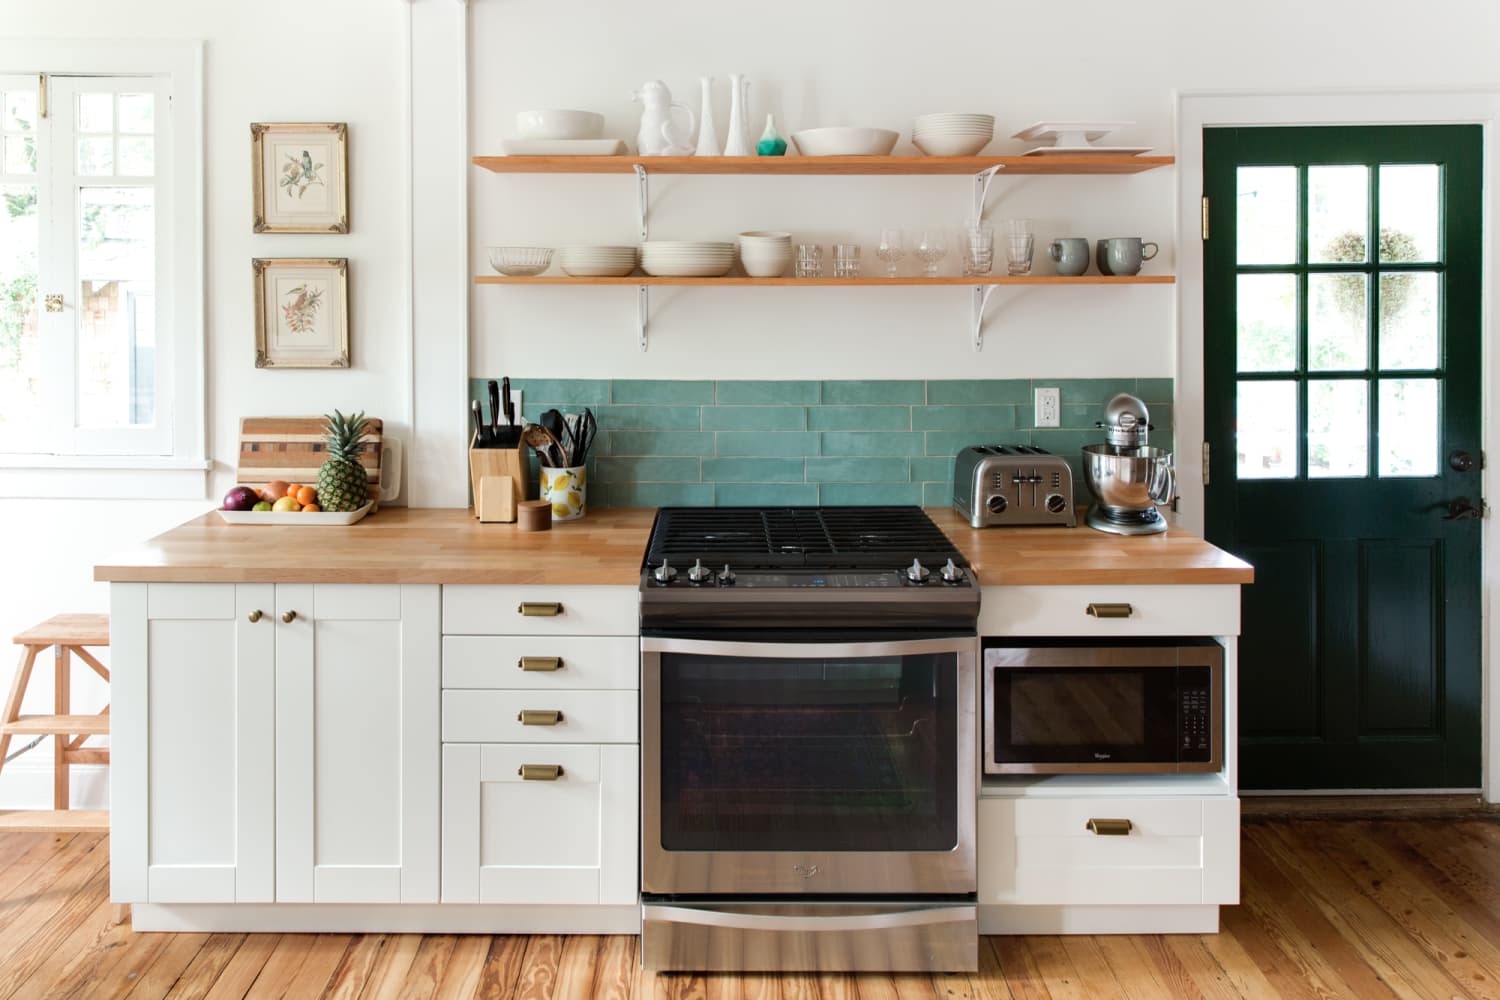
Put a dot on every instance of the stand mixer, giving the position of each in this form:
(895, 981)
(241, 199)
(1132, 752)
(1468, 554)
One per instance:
(1127, 477)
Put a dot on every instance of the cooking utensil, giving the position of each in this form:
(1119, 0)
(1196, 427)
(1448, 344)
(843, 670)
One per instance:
(507, 402)
(494, 388)
(482, 432)
(546, 445)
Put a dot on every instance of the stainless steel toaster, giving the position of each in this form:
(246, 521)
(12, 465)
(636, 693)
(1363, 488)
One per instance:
(1003, 484)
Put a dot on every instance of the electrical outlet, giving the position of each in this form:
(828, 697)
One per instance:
(1048, 407)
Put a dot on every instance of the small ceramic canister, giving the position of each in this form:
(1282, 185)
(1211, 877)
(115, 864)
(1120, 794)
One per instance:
(566, 489)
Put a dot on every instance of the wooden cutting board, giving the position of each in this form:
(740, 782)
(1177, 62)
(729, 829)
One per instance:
(292, 449)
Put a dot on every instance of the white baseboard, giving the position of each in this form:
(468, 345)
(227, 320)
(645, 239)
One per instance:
(437, 918)
(26, 782)
(1098, 920)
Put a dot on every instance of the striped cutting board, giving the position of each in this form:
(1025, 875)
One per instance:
(292, 449)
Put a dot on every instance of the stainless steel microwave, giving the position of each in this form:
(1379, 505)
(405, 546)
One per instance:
(1132, 706)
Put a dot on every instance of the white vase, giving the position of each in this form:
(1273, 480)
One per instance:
(708, 134)
(739, 97)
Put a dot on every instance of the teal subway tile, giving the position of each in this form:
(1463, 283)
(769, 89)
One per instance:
(753, 470)
(958, 418)
(1161, 417)
(765, 393)
(1081, 415)
(870, 494)
(865, 393)
(872, 443)
(937, 469)
(754, 418)
(649, 470)
(859, 418)
(731, 443)
(660, 443)
(1154, 390)
(858, 470)
(950, 443)
(660, 494)
(578, 391)
(648, 418)
(937, 494)
(1067, 443)
(766, 494)
(1085, 390)
(661, 392)
(1010, 390)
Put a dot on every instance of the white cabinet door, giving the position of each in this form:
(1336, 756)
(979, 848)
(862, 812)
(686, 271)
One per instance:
(191, 780)
(570, 840)
(357, 744)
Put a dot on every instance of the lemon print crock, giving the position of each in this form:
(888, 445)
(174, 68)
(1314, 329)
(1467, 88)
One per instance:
(565, 490)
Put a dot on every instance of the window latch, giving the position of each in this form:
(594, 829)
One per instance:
(41, 95)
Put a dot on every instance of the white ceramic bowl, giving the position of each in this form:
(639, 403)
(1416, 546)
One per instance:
(597, 261)
(846, 141)
(951, 145)
(766, 265)
(559, 123)
(520, 262)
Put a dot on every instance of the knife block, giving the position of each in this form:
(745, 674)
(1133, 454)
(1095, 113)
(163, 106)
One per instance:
(510, 462)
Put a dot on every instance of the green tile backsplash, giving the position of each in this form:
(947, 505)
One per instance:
(700, 442)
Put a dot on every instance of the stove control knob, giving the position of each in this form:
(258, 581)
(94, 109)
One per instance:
(726, 576)
(951, 573)
(916, 572)
(664, 573)
(699, 573)
(998, 503)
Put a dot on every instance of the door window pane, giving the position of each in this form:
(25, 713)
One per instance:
(138, 113)
(116, 316)
(20, 154)
(1338, 205)
(96, 112)
(1266, 215)
(1338, 428)
(19, 111)
(96, 157)
(1337, 333)
(1409, 212)
(20, 342)
(1266, 322)
(1408, 427)
(1408, 320)
(137, 156)
(1266, 430)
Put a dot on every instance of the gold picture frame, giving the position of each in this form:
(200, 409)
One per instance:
(300, 177)
(301, 312)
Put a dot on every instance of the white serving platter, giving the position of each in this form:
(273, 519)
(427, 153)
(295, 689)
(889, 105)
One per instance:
(1087, 151)
(291, 519)
(1089, 131)
(562, 147)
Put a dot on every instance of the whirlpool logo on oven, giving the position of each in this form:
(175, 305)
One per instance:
(806, 871)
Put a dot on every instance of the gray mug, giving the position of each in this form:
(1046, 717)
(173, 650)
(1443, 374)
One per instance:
(1071, 255)
(1123, 255)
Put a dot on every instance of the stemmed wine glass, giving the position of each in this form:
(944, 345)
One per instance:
(930, 249)
(890, 250)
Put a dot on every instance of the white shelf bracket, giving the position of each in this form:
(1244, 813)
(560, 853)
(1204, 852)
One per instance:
(982, 188)
(643, 200)
(644, 315)
(982, 295)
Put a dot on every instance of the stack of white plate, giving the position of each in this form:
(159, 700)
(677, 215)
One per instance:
(952, 135)
(686, 259)
(765, 254)
(597, 261)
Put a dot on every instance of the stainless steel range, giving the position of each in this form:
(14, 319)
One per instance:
(807, 739)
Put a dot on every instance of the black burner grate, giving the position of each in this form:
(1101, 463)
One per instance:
(814, 537)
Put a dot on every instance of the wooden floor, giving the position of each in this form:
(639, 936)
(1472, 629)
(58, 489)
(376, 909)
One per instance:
(1331, 908)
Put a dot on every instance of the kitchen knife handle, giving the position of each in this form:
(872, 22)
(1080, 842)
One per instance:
(1109, 827)
(540, 663)
(540, 609)
(540, 772)
(1098, 610)
(539, 717)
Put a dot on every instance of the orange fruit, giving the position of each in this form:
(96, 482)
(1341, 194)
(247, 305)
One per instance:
(310, 508)
(275, 490)
(307, 495)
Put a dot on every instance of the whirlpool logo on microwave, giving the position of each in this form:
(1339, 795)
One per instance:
(806, 871)
(1102, 756)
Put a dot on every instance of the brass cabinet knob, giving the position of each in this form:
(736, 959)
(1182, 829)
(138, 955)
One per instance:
(289, 617)
(532, 664)
(539, 717)
(540, 609)
(255, 616)
(540, 772)
(1108, 827)
(1098, 610)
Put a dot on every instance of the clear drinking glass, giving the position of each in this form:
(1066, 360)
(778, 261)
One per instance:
(890, 250)
(809, 260)
(846, 260)
(1018, 254)
(930, 248)
(978, 248)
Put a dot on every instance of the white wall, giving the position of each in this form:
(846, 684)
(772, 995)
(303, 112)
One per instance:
(329, 60)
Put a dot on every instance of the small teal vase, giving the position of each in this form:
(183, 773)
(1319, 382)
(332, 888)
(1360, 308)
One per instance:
(771, 143)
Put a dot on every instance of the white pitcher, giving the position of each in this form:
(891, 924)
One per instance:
(659, 135)
(708, 134)
(739, 98)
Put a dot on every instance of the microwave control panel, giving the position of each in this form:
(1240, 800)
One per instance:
(1194, 718)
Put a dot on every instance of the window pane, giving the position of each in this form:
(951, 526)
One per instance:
(1408, 427)
(1266, 434)
(20, 154)
(138, 113)
(20, 347)
(19, 111)
(1409, 212)
(1266, 217)
(1338, 428)
(116, 315)
(1338, 205)
(137, 156)
(96, 112)
(1266, 322)
(1408, 320)
(96, 157)
(1337, 334)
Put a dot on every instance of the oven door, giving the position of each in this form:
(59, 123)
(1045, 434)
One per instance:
(809, 767)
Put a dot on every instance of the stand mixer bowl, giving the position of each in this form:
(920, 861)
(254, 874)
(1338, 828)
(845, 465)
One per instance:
(1128, 478)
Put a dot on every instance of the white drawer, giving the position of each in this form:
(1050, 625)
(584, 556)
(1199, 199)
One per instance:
(497, 610)
(1040, 851)
(582, 662)
(471, 716)
(1181, 609)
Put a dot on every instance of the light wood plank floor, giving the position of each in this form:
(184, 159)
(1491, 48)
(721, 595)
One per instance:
(1331, 908)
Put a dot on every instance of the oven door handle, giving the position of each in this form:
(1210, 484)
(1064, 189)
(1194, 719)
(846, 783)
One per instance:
(877, 920)
(805, 650)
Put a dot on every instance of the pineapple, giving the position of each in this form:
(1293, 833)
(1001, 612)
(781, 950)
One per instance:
(342, 482)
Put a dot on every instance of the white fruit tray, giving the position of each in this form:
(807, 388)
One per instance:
(293, 519)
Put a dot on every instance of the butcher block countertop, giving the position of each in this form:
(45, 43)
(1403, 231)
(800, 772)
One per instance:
(404, 545)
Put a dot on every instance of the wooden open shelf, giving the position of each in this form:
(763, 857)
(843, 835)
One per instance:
(740, 280)
(848, 165)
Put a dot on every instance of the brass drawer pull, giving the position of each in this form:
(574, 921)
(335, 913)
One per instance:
(539, 717)
(540, 772)
(535, 663)
(1110, 610)
(1108, 827)
(540, 609)
(289, 617)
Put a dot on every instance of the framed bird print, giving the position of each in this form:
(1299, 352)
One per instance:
(301, 312)
(301, 177)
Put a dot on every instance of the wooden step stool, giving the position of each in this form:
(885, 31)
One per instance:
(67, 635)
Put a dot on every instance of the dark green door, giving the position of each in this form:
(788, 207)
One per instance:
(1342, 413)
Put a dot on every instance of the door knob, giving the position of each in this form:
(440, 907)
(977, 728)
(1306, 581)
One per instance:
(1460, 509)
(289, 617)
(53, 302)
(1460, 461)
(255, 616)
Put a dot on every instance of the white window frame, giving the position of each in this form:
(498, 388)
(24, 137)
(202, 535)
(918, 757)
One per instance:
(181, 471)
